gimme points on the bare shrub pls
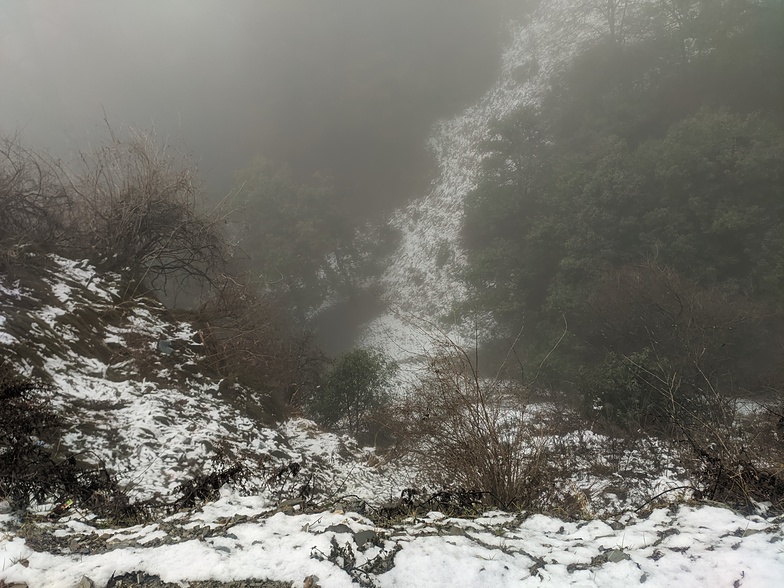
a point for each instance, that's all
(247, 336)
(34, 205)
(136, 205)
(678, 361)
(472, 434)
(733, 458)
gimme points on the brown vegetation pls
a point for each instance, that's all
(472, 434)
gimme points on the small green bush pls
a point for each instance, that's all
(355, 389)
(617, 391)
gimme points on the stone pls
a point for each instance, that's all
(341, 528)
(361, 538)
(617, 555)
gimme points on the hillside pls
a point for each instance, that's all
(564, 361)
(130, 382)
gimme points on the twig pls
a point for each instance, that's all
(660, 494)
(546, 357)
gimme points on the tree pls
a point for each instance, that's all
(614, 13)
(297, 235)
(354, 389)
(637, 152)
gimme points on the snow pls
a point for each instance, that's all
(11, 292)
(693, 546)
(417, 280)
(5, 338)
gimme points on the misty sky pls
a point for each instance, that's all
(347, 87)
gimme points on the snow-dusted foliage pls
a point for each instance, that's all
(421, 279)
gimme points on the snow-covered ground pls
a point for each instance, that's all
(238, 538)
(152, 414)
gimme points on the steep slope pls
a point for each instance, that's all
(422, 278)
(135, 388)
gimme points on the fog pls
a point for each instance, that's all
(346, 87)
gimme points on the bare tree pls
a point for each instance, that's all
(34, 205)
(136, 205)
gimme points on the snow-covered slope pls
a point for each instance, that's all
(134, 386)
(131, 382)
(421, 280)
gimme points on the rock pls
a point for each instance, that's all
(165, 347)
(311, 582)
(85, 582)
(617, 526)
(363, 537)
(291, 503)
(617, 555)
(339, 528)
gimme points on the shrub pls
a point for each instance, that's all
(248, 337)
(33, 468)
(678, 359)
(28, 426)
(616, 390)
(646, 324)
(136, 207)
(354, 390)
(730, 457)
(471, 434)
(129, 205)
(34, 204)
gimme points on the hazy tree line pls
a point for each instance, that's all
(642, 205)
